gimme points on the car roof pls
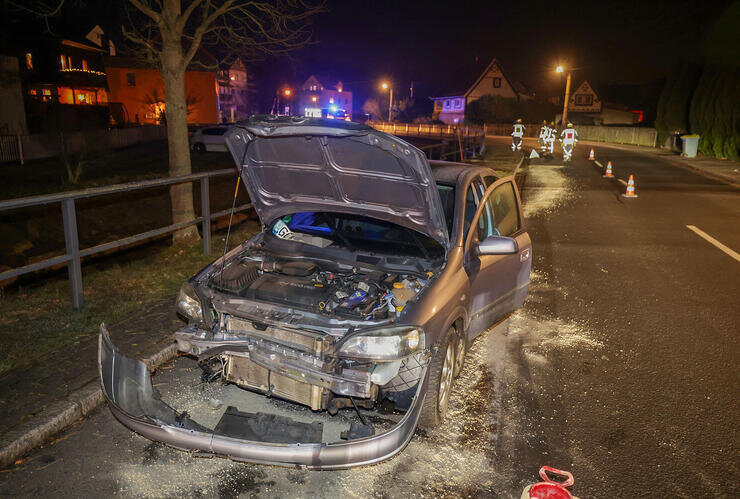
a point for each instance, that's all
(452, 173)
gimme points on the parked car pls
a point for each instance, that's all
(209, 139)
(374, 271)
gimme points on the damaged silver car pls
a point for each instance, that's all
(356, 303)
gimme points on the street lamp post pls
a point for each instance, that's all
(390, 100)
(560, 69)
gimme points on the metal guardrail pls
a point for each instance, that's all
(456, 141)
(427, 129)
(73, 254)
(456, 146)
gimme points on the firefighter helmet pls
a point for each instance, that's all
(552, 123)
(519, 120)
(570, 125)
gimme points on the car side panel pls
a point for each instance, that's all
(444, 302)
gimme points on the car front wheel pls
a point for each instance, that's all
(439, 388)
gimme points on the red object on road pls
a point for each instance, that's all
(550, 489)
(608, 173)
(591, 155)
(630, 193)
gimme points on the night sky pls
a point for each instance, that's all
(443, 46)
(437, 44)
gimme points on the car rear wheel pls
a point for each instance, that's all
(199, 147)
(439, 388)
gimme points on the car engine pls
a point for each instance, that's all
(305, 285)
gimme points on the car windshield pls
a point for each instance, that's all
(357, 232)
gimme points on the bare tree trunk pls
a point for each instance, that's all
(173, 74)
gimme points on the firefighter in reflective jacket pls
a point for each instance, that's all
(552, 133)
(516, 136)
(568, 139)
(542, 137)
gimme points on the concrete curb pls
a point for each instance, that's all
(60, 415)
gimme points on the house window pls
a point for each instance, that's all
(66, 95)
(497, 83)
(131, 79)
(458, 103)
(65, 61)
(85, 97)
(85, 67)
(584, 100)
(29, 60)
(448, 104)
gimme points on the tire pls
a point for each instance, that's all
(199, 147)
(440, 371)
(461, 350)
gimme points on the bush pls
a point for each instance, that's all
(497, 109)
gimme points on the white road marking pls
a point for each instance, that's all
(712, 240)
(598, 164)
(623, 182)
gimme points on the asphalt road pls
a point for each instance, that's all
(645, 399)
(620, 368)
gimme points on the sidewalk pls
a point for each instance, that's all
(724, 170)
(39, 402)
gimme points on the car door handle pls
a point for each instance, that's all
(524, 255)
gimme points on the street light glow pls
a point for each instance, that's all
(384, 85)
(286, 92)
(559, 69)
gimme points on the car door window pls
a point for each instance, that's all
(489, 180)
(485, 221)
(504, 209)
(471, 206)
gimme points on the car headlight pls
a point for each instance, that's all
(380, 344)
(188, 303)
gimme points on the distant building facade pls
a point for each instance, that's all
(584, 99)
(314, 97)
(64, 82)
(12, 114)
(492, 81)
(233, 93)
(138, 91)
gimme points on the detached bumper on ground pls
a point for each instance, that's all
(127, 386)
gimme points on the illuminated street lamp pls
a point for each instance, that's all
(561, 69)
(287, 92)
(386, 86)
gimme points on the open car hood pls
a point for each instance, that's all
(294, 164)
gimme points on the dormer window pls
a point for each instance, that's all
(29, 60)
(84, 65)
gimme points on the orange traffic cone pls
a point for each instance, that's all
(608, 173)
(630, 188)
(591, 155)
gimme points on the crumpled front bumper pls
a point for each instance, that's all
(127, 386)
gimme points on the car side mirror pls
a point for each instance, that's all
(497, 245)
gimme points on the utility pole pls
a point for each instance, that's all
(390, 106)
(567, 98)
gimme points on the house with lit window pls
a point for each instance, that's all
(316, 99)
(137, 89)
(233, 93)
(450, 108)
(587, 107)
(64, 81)
(584, 99)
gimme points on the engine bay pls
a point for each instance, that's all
(353, 294)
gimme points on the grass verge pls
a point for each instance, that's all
(38, 320)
